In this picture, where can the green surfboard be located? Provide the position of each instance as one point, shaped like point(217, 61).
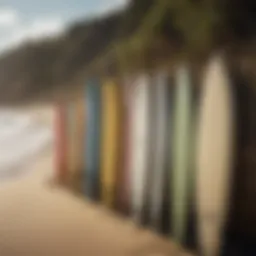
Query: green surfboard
point(181, 153)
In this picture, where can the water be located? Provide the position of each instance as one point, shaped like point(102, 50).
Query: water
point(21, 139)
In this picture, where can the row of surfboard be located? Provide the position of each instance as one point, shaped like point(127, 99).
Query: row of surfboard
point(143, 142)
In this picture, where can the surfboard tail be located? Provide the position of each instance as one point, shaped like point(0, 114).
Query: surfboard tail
point(210, 241)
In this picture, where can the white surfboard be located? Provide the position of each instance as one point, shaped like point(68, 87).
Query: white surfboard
point(214, 155)
point(159, 161)
point(139, 143)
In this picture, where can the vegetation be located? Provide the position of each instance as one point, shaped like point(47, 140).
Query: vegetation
point(147, 33)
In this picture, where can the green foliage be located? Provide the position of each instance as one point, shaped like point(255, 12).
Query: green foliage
point(193, 21)
point(145, 35)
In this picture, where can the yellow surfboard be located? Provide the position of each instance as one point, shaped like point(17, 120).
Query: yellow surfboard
point(110, 141)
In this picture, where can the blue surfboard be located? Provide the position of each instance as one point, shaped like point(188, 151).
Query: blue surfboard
point(92, 143)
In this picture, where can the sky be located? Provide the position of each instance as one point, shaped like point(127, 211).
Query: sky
point(32, 19)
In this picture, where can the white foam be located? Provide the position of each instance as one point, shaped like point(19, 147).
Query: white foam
point(21, 138)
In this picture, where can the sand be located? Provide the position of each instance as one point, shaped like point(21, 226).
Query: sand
point(39, 219)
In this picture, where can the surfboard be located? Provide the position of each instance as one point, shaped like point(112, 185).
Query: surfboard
point(139, 125)
point(71, 142)
point(181, 153)
point(214, 155)
point(124, 177)
point(92, 142)
point(80, 119)
point(75, 128)
point(110, 136)
point(159, 156)
point(60, 144)
point(146, 218)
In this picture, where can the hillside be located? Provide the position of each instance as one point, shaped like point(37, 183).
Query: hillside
point(146, 34)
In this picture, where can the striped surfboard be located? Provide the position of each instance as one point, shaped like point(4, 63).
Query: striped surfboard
point(214, 154)
point(92, 141)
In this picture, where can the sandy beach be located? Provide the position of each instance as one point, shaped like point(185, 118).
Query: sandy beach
point(37, 218)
